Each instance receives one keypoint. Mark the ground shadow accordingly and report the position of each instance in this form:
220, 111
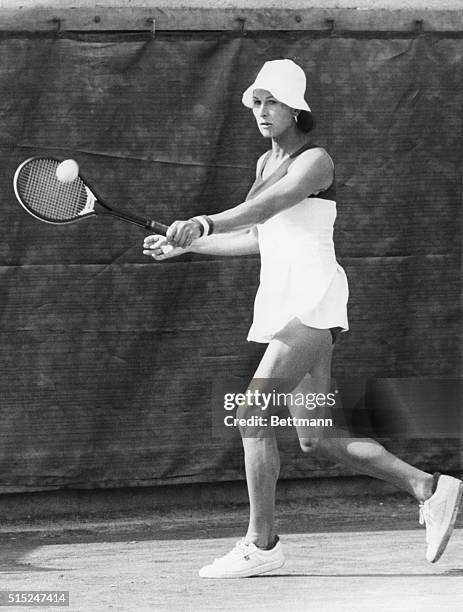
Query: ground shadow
13, 555
454, 573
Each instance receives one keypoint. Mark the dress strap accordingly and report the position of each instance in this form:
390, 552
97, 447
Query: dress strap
305, 147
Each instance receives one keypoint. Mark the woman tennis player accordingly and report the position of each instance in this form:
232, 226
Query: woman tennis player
300, 308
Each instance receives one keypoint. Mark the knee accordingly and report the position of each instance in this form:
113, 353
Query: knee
251, 422
310, 446
247, 410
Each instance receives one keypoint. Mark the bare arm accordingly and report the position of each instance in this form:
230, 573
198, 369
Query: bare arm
240, 242
310, 173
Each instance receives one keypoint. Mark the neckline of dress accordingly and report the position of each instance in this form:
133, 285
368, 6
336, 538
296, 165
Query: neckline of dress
304, 147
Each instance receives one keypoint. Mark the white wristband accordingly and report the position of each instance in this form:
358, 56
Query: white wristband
205, 224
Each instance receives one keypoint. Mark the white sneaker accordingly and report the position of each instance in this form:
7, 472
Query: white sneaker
439, 513
243, 561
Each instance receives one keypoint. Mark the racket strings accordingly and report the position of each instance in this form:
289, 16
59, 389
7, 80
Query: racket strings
47, 196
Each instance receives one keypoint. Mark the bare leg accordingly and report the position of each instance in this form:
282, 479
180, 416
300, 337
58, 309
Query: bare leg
363, 455
369, 457
262, 464
288, 357
296, 350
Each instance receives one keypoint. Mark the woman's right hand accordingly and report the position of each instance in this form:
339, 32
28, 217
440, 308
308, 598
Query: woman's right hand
159, 248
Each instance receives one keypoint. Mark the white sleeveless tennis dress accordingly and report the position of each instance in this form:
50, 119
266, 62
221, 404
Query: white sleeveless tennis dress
299, 275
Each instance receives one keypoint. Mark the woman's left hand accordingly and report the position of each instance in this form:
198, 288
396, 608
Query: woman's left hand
182, 233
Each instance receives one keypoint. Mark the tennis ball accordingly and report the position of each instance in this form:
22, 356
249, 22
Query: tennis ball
67, 171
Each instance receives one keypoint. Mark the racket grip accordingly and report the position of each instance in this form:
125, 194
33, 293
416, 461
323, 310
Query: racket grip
159, 228
101, 207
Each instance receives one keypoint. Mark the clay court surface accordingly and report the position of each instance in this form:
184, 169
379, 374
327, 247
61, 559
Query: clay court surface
351, 555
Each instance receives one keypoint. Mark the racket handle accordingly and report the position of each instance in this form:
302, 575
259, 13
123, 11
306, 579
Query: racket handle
101, 207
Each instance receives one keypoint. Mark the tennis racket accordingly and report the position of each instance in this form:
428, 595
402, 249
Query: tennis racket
45, 197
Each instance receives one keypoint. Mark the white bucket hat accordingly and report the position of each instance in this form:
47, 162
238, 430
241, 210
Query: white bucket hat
283, 79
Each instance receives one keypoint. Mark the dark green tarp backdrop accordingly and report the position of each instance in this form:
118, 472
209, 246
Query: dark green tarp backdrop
107, 358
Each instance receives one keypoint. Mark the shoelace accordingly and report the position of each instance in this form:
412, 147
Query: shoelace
425, 515
426, 519
422, 518
241, 549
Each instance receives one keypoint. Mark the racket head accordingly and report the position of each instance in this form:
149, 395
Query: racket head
48, 199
